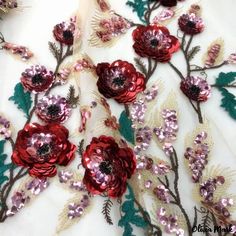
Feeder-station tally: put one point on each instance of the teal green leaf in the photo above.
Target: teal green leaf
(228, 102)
(139, 6)
(131, 215)
(225, 79)
(126, 129)
(22, 99)
(3, 167)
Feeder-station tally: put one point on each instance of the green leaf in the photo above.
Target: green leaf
(131, 215)
(3, 167)
(22, 99)
(126, 129)
(193, 52)
(139, 6)
(228, 102)
(225, 79)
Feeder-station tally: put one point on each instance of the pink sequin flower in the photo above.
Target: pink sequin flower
(191, 24)
(196, 88)
(53, 109)
(37, 79)
(197, 156)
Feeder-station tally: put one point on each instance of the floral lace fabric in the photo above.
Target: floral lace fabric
(166, 107)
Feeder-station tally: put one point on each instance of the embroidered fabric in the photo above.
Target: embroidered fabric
(66, 199)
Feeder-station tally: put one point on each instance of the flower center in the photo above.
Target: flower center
(191, 24)
(53, 110)
(67, 34)
(105, 167)
(44, 150)
(154, 42)
(195, 90)
(37, 79)
(118, 81)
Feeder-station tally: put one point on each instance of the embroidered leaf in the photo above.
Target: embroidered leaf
(126, 129)
(54, 50)
(71, 98)
(22, 99)
(228, 102)
(3, 167)
(81, 147)
(225, 79)
(139, 6)
(106, 210)
(193, 52)
(131, 215)
(140, 64)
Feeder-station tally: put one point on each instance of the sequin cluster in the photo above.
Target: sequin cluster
(139, 107)
(219, 207)
(197, 156)
(6, 5)
(164, 15)
(67, 177)
(112, 27)
(162, 193)
(143, 139)
(166, 134)
(5, 128)
(76, 210)
(23, 52)
(212, 55)
(147, 163)
(170, 222)
(22, 197)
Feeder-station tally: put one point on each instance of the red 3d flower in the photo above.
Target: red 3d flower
(196, 88)
(108, 166)
(40, 148)
(191, 24)
(155, 41)
(65, 32)
(120, 81)
(37, 79)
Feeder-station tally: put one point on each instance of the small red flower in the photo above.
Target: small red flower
(37, 79)
(39, 148)
(155, 41)
(191, 24)
(65, 32)
(120, 81)
(107, 166)
(196, 88)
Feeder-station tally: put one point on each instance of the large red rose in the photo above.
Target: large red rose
(107, 166)
(155, 41)
(120, 81)
(39, 148)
